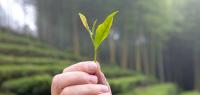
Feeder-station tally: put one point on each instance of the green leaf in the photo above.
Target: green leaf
(84, 21)
(94, 25)
(103, 30)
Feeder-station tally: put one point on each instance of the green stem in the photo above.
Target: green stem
(95, 55)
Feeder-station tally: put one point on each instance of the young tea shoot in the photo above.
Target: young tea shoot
(99, 34)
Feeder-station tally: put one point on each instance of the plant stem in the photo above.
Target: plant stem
(95, 55)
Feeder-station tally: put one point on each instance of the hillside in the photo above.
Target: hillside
(27, 67)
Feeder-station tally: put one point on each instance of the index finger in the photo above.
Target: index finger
(88, 66)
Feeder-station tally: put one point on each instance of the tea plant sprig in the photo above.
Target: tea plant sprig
(101, 33)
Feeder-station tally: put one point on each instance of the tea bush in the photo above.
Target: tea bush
(36, 85)
(190, 93)
(123, 84)
(40, 85)
(157, 89)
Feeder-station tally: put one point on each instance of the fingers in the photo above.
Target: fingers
(84, 78)
(89, 67)
(101, 77)
(104, 81)
(71, 78)
(87, 89)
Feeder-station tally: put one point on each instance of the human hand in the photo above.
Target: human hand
(84, 78)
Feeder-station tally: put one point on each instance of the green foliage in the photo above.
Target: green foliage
(158, 89)
(123, 84)
(102, 31)
(116, 72)
(7, 94)
(26, 50)
(15, 71)
(36, 85)
(8, 37)
(34, 63)
(41, 84)
(84, 21)
(6, 59)
(32, 51)
(190, 93)
(28, 70)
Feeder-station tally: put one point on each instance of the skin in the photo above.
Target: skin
(84, 78)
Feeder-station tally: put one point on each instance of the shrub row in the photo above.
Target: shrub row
(40, 85)
(26, 50)
(124, 84)
(15, 71)
(190, 93)
(6, 59)
(14, 37)
(7, 94)
(11, 42)
(36, 85)
(112, 71)
(157, 89)
(31, 51)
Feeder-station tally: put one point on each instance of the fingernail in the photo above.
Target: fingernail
(92, 66)
(104, 89)
(93, 79)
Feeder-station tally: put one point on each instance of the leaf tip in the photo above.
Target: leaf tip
(115, 13)
(80, 14)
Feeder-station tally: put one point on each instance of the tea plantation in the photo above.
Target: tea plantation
(27, 67)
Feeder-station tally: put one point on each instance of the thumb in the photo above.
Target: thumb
(101, 77)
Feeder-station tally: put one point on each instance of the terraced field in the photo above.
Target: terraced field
(27, 67)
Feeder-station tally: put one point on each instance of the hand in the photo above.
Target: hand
(84, 78)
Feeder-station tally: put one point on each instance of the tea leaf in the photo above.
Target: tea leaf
(103, 30)
(94, 25)
(84, 21)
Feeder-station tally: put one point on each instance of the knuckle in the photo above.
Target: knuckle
(64, 91)
(65, 70)
(56, 78)
(85, 79)
(55, 81)
(82, 76)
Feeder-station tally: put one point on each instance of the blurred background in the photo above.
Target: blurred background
(153, 48)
